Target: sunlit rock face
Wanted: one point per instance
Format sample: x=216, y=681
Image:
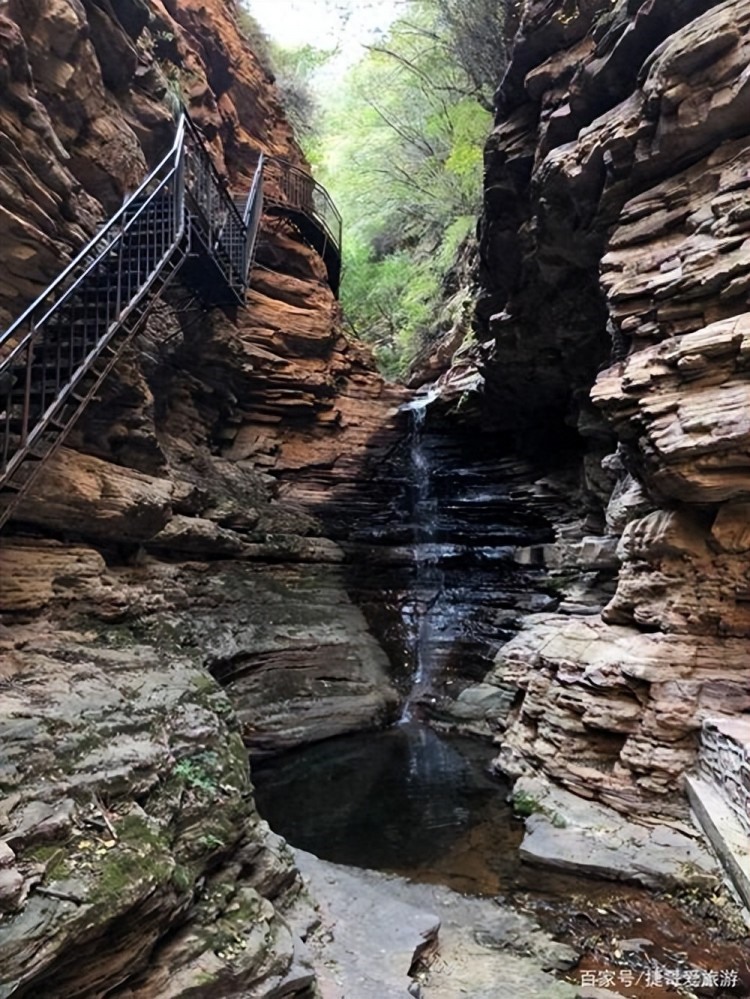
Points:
x=87, y=101
x=173, y=547
x=615, y=278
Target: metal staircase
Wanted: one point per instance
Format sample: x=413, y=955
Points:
x=56, y=355
x=294, y=195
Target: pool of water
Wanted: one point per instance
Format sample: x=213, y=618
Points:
x=424, y=805
x=406, y=800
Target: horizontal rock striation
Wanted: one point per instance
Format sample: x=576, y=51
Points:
x=614, y=713
x=132, y=852
x=614, y=273
x=174, y=545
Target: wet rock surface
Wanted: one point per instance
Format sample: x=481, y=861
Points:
x=376, y=929
x=505, y=947
x=610, y=323
x=182, y=529
x=435, y=569
x=425, y=805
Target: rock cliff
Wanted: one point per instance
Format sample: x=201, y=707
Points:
x=613, y=309
x=174, y=546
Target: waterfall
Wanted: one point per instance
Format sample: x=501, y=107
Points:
x=428, y=577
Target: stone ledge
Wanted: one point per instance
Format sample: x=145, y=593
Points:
x=374, y=925
x=717, y=820
x=572, y=833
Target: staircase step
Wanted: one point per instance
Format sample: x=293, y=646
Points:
x=15, y=426
x=75, y=329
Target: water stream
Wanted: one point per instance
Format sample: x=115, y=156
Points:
x=420, y=613
x=425, y=805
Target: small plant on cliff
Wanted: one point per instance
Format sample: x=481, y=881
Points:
x=292, y=69
x=209, y=842
x=256, y=37
x=199, y=772
x=525, y=805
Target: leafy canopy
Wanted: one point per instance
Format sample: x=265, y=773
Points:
x=398, y=142
x=401, y=152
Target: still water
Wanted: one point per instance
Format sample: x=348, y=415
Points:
x=406, y=800
x=424, y=805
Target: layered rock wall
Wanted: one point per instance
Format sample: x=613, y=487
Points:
x=615, y=276
x=172, y=547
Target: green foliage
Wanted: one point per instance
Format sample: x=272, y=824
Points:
x=295, y=70
x=255, y=36
x=476, y=35
x=210, y=842
x=399, y=144
x=292, y=69
x=525, y=805
x=388, y=301
x=401, y=152
x=182, y=878
x=199, y=772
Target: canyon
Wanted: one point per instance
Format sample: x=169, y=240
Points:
x=627, y=128
x=220, y=560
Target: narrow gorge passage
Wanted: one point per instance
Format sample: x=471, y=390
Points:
x=374, y=499
x=444, y=578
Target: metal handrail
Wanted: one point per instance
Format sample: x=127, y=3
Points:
x=100, y=237
x=60, y=336
x=290, y=187
x=50, y=368
x=220, y=224
x=301, y=192
x=62, y=346
x=253, y=212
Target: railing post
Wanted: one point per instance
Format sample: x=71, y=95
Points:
x=253, y=212
x=6, y=402
x=118, y=299
x=27, y=385
x=179, y=192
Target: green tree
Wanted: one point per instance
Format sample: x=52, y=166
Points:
x=401, y=152
x=256, y=37
x=399, y=145
x=292, y=69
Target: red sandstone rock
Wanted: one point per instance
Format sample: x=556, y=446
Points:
x=215, y=443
